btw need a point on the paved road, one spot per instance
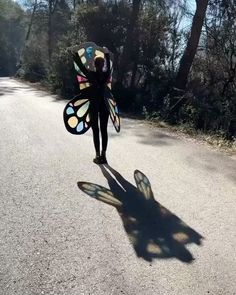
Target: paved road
(159, 220)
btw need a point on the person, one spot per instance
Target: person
(98, 108)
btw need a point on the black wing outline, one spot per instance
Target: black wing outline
(77, 114)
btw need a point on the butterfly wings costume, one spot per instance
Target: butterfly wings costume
(77, 113)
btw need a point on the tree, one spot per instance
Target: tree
(192, 44)
(51, 6)
(11, 35)
(131, 46)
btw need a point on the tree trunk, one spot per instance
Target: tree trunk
(191, 48)
(31, 22)
(49, 38)
(52, 5)
(28, 31)
(133, 75)
(130, 47)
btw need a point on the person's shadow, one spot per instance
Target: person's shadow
(153, 230)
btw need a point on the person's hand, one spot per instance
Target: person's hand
(105, 50)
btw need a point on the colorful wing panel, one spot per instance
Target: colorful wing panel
(113, 109)
(76, 115)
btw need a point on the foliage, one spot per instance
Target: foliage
(11, 35)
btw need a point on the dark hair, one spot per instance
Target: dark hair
(98, 60)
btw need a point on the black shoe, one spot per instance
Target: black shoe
(97, 160)
(103, 160)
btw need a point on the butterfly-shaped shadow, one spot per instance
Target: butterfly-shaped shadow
(153, 230)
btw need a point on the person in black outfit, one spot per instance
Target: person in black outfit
(98, 109)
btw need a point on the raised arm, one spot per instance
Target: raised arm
(78, 61)
(74, 51)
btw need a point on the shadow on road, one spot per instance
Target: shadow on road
(5, 90)
(153, 230)
(146, 134)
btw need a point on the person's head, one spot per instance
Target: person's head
(99, 63)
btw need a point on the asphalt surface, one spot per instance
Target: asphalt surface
(168, 228)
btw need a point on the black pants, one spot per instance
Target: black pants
(98, 111)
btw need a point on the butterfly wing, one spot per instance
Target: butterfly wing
(83, 82)
(112, 108)
(143, 184)
(109, 82)
(76, 115)
(87, 52)
(100, 193)
(78, 70)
